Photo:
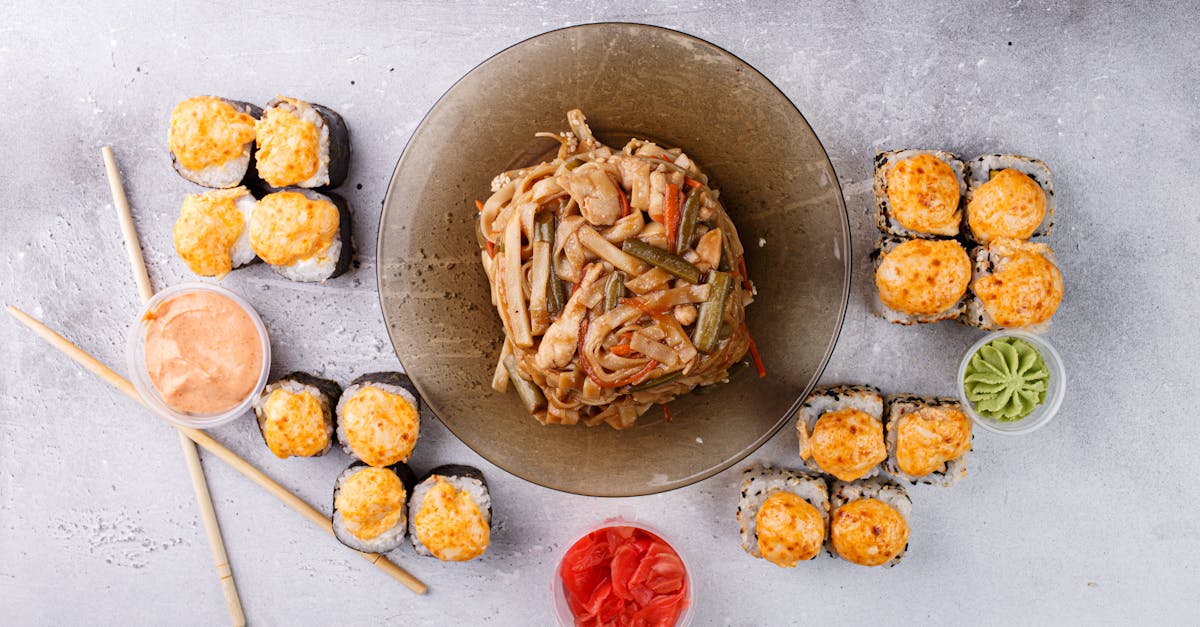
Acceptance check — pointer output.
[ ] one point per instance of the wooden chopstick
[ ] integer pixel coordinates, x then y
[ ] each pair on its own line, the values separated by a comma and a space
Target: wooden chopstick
209, 444
191, 457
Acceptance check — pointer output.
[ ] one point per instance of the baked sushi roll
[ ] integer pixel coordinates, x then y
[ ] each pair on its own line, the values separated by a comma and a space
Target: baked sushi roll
295, 415
212, 233
1014, 285
303, 235
918, 193
450, 514
869, 524
1008, 196
301, 144
782, 515
841, 431
370, 506
211, 140
927, 439
919, 281
379, 418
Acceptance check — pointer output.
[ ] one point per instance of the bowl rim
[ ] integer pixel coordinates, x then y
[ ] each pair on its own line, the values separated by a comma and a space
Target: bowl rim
135, 358
1043, 413
847, 261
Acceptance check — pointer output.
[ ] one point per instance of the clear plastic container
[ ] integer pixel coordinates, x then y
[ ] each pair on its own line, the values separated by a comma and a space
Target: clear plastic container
135, 355
1041, 414
562, 611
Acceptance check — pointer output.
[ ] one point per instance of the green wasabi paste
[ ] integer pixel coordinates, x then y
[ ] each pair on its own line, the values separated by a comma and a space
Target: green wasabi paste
1006, 379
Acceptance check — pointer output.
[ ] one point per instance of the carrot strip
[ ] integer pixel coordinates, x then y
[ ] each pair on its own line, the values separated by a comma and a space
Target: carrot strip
758, 362
625, 210
667, 413
691, 182
491, 249
671, 215
745, 276
479, 205
622, 350
632, 379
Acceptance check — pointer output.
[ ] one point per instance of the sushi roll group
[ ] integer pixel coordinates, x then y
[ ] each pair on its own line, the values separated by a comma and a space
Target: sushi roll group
782, 515
1015, 285
918, 193
921, 280
450, 514
295, 415
291, 148
302, 234
212, 233
370, 507
301, 144
379, 418
211, 140
841, 431
1008, 196
869, 523
927, 439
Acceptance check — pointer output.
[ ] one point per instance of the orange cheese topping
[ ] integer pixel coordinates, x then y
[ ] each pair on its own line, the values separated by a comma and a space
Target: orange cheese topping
203, 353
288, 147
207, 131
1027, 288
288, 227
451, 525
923, 193
371, 501
380, 428
847, 443
790, 529
295, 424
868, 532
1011, 204
923, 277
929, 437
207, 228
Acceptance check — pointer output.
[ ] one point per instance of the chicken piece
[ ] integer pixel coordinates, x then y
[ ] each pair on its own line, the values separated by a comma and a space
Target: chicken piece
708, 249
559, 342
685, 314
595, 191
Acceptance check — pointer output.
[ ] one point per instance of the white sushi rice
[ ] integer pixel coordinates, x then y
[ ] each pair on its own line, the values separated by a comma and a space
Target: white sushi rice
759, 483
979, 171
316, 268
221, 175
900, 405
384, 542
986, 261
350, 392
885, 490
242, 253
884, 246
824, 400
307, 113
472, 486
295, 387
884, 162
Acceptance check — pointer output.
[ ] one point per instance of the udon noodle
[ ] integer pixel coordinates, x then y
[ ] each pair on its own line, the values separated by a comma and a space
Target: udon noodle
618, 277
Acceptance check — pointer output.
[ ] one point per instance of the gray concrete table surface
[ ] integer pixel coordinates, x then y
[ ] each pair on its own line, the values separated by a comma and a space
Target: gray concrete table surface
1092, 519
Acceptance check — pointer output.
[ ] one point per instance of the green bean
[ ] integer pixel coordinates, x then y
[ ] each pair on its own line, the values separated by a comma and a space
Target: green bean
655, 382
614, 290
659, 258
687, 219
712, 310
531, 395
543, 227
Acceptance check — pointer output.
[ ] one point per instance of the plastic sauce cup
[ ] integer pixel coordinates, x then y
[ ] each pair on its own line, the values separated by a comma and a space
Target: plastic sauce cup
135, 355
1041, 414
562, 611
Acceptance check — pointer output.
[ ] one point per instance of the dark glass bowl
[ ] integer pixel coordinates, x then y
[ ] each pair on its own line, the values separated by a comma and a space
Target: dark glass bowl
631, 80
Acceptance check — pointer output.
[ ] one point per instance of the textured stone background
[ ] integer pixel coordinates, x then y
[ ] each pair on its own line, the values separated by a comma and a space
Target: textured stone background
1092, 519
